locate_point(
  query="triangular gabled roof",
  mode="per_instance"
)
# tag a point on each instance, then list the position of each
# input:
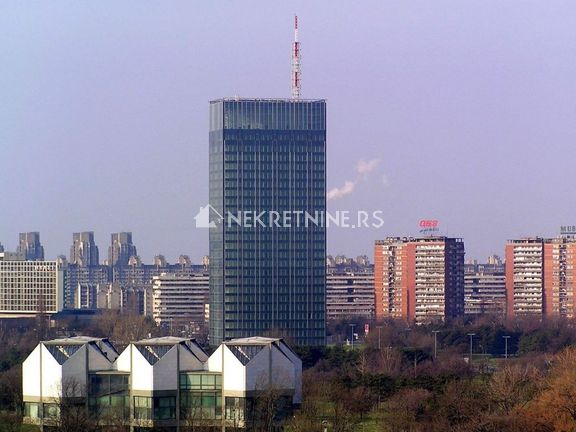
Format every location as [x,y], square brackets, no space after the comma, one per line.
[245,353]
[155,348]
[153,353]
[62,352]
[64,348]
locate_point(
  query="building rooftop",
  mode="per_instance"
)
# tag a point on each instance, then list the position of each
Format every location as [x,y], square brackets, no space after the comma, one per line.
[154,349]
[245,349]
[64,348]
[254,340]
[74,340]
[242,99]
[164,340]
[424,239]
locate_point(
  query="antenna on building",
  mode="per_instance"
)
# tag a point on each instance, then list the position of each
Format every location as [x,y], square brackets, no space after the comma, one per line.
[296,62]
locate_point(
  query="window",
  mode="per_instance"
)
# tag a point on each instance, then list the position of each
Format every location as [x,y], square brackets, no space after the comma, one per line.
[200,381]
[234,409]
[164,408]
[142,408]
[51,411]
[31,410]
[200,405]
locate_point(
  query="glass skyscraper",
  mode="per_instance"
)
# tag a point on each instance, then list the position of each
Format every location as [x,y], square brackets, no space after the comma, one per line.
[268,203]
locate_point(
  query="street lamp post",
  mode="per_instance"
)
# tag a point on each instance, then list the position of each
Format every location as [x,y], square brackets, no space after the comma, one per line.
[506,346]
[471,336]
[352,334]
[435,345]
[379,331]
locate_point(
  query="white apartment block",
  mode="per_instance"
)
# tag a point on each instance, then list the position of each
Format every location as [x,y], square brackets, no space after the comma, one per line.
[166,383]
[30,287]
[525,276]
[180,300]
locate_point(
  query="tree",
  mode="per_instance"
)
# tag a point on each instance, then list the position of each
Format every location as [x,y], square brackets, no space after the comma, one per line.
[11,388]
[513,386]
[403,410]
[194,417]
[389,361]
[462,403]
[306,419]
[69,412]
[270,403]
[10,421]
[556,404]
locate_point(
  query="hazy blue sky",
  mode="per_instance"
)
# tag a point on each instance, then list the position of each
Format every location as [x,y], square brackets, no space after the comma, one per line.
[469,108]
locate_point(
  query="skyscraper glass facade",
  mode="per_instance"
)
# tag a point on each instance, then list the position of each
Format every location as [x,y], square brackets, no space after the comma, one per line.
[267,156]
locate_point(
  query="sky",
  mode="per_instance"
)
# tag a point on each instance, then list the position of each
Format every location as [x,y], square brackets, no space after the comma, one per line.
[458,111]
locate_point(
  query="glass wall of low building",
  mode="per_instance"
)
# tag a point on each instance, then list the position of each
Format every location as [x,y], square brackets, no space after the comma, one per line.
[200,396]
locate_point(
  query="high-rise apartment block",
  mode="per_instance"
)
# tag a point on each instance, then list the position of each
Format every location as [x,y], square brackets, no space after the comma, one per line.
[485,288]
[29,245]
[30,287]
[267,159]
[419,279]
[121,249]
[84,251]
[540,278]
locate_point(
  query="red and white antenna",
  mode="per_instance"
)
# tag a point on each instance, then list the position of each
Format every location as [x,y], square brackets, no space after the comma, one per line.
[296,62]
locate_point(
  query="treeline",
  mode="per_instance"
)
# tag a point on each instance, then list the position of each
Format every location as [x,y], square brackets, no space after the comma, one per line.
[393,382]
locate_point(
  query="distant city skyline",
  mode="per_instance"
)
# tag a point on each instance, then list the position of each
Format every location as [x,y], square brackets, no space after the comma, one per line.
[451,111]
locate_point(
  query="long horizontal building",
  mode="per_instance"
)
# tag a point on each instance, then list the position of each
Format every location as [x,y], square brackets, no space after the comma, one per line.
[419,279]
[165,383]
[349,294]
[28,288]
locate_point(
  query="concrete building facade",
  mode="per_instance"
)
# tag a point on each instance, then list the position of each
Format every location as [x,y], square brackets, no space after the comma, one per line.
[180,300]
[349,294]
[540,279]
[29,245]
[484,289]
[30,287]
[84,251]
[419,279]
[121,249]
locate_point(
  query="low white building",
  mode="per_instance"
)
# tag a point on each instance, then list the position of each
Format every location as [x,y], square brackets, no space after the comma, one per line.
[60,369]
[166,382]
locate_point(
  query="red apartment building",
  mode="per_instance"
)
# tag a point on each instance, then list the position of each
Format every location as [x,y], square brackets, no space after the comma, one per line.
[419,279]
[540,277]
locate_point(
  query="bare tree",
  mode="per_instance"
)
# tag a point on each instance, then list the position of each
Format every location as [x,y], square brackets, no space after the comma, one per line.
[514,386]
[195,418]
[69,412]
[389,361]
[403,409]
[270,402]
[10,421]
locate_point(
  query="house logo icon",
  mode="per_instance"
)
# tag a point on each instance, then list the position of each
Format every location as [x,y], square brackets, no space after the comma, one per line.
[207,217]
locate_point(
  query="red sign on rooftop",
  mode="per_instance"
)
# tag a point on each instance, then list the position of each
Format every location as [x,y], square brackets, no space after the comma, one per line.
[428,223]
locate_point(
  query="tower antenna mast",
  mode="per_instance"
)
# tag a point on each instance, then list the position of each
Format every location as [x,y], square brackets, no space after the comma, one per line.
[296,62]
